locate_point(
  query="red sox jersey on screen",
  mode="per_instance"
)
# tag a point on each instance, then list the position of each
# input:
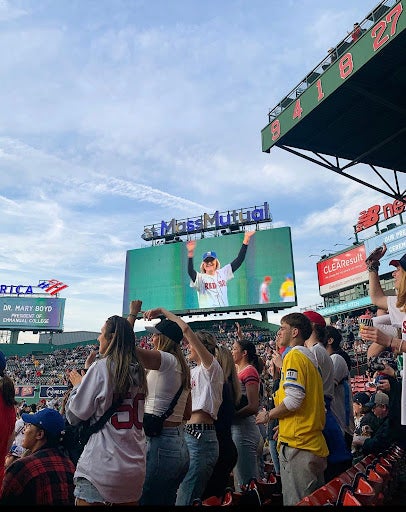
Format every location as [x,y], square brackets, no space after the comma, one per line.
[212,290]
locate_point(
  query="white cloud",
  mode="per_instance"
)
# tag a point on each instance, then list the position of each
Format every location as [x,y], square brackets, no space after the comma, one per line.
[10,12]
[117,115]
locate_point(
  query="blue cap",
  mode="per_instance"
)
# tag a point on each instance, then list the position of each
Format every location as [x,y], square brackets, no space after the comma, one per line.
[210,254]
[48,419]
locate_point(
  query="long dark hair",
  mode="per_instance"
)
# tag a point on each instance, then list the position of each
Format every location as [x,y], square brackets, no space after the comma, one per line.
[120,354]
[7,389]
[336,336]
[252,355]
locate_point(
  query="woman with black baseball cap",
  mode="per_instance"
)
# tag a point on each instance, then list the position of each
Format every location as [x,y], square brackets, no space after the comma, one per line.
[207,380]
[169,374]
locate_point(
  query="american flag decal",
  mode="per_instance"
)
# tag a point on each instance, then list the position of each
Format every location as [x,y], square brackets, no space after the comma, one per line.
[52,286]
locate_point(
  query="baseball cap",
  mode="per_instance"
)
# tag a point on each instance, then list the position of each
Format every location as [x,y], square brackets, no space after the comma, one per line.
[361,398]
[48,419]
[168,328]
[2,361]
[379,398]
[314,317]
[209,254]
[401,262]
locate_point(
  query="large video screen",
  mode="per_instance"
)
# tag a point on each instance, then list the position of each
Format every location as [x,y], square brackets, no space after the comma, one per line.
[31,314]
[158,275]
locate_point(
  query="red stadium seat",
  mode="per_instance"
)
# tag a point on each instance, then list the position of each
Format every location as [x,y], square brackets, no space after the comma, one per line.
[363,490]
[347,498]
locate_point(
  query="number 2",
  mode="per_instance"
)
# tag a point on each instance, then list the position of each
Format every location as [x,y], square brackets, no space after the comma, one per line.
[380,27]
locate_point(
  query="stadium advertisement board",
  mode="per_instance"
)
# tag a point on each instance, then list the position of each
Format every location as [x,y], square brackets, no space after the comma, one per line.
[342,270]
[31,314]
[52,391]
[158,275]
[395,241]
[24,391]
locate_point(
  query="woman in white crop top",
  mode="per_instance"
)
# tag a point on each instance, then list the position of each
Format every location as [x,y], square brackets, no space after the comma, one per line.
[207,384]
[167,454]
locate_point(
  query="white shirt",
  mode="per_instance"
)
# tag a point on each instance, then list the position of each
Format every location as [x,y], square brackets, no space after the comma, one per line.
[163,385]
[342,403]
[326,368]
[207,388]
[212,290]
[114,458]
[398,318]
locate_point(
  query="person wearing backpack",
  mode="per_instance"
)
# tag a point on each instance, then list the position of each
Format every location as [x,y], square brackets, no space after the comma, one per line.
[111,468]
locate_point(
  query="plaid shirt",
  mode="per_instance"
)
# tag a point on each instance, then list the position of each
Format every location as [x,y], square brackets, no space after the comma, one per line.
[43,478]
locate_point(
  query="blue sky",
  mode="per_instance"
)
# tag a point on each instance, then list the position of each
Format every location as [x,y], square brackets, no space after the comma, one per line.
[117,114]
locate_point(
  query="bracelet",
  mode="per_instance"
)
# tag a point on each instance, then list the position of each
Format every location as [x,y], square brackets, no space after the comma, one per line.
[132,314]
[373,266]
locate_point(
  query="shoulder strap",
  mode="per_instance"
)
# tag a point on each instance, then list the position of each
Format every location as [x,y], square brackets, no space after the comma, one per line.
[173,403]
[95,427]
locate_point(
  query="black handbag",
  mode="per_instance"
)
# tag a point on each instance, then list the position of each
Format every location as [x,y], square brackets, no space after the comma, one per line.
[154,424]
[77,436]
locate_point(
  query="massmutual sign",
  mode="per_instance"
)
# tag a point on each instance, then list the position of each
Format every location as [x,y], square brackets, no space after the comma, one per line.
[208,222]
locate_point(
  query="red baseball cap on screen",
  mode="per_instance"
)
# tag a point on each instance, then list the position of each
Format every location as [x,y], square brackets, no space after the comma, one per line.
[314,317]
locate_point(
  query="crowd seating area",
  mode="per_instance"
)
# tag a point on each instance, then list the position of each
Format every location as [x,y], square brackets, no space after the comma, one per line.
[374,481]
[50,368]
[371,482]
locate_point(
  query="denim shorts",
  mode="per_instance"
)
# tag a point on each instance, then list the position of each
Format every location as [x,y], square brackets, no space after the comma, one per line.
[86,491]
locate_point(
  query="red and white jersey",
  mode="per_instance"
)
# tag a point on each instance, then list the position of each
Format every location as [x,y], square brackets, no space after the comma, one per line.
[114,458]
[212,290]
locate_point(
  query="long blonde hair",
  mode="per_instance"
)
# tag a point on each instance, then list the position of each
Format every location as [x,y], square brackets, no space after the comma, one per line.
[203,271]
[401,296]
[121,355]
[167,345]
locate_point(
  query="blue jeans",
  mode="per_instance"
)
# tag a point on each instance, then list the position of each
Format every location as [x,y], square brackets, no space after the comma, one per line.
[167,465]
[86,491]
[246,436]
[203,455]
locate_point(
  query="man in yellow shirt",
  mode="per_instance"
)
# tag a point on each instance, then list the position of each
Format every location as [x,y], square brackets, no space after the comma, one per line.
[299,406]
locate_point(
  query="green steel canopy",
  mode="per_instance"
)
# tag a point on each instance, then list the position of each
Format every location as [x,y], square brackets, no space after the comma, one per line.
[354,107]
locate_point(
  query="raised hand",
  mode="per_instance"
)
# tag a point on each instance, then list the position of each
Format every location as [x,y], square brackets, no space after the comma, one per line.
[247,236]
[190,246]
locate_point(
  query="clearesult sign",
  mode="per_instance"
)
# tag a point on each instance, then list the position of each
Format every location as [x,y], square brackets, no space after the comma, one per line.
[342,270]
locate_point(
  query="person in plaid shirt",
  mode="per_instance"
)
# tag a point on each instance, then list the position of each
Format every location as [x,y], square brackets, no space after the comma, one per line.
[45,477]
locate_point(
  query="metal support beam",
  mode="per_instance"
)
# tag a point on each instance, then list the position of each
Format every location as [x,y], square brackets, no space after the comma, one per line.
[391,191]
